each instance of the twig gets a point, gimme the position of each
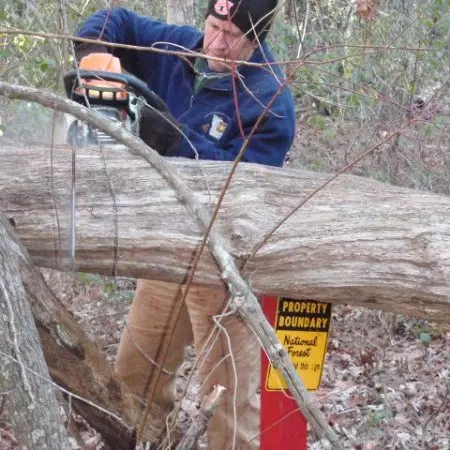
(32, 6)
(235, 373)
(441, 408)
(199, 424)
(326, 183)
(142, 352)
(305, 25)
(199, 360)
(9, 436)
(65, 391)
(190, 54)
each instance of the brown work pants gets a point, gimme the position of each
(142, 348)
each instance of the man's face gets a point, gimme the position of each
(223, 39)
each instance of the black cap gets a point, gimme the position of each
(250, 16)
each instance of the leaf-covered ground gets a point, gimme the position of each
(386, 382)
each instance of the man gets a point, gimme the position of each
(212, 106)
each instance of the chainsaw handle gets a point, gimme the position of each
(71, 82)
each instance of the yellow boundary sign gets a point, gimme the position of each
(302, 327)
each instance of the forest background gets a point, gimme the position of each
(367, 68)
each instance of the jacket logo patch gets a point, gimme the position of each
(223, 7)
(218, 127)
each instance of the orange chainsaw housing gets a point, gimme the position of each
(109, 90)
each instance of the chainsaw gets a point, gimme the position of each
(100, 84)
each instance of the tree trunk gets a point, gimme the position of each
(24, 377)
(290, 13)
(76, 364)
(360, 242)
(180, 12)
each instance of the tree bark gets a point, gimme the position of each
(24, 376)
(180, 12)
(358, 241)
(75, 363)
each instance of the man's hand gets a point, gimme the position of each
(159, 129)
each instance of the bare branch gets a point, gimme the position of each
(199, 424)
(375, 49)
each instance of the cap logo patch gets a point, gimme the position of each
(223, 7)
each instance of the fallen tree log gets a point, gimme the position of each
(358, 241)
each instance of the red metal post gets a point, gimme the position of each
(283, 426)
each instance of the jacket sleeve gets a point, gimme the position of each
(122, 26)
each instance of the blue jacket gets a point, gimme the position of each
(209, 116)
